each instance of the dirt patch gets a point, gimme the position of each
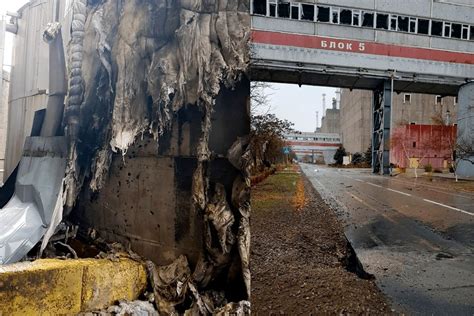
(300, 259)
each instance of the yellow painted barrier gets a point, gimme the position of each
(67, 287)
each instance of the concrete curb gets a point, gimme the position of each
(53, 287)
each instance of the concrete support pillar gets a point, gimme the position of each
(381, 121)
(146, 201)
(465, 139)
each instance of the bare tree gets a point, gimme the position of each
(260, 97)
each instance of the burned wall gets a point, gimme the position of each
(158, 120)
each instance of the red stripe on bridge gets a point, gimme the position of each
(359, 47)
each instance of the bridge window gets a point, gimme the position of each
(447, 29)
(403, 24)
(456, 30)
(465, 32)
(284, 10)
(346, 17)
(323, 14)
(413, 24)
(423, 26)
(307, 12)
(335, 12)
(367, 19)
(356, 17)
(382, 21)
(393, 22)
(260, 7)
(436, 28)
(272, 8)
(295, 11)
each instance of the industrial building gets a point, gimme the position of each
(331, 121)
(314, 147)
(407, 109)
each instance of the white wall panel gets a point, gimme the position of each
(30, 72)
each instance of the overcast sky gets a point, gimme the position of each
(298, 105)
(12, 6)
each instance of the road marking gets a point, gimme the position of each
(450, 207)
(357, 198)
(399, 192)
(359, 180)
(431, 187)
(375, 185)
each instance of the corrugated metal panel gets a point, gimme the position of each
(29, 77)
(3, 105)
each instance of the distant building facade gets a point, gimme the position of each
(356, 120)
(407, 109)
(314, 146)
(414, 146)
(331, 121)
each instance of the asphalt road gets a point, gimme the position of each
(417, 240)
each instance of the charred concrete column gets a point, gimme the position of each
(465, 139)
(160, 156)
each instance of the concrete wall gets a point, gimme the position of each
(164, 197)
(29, 74)
(356, 114)
(356, 120)
(465, 121)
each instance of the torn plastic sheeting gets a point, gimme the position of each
(188, 50)
(36, 207)
(170, 284)
(173, 283)
(134, 308)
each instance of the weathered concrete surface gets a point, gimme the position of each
(465, 139)
(157, 122)
(65, 287)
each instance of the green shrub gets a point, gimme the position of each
(428, 168)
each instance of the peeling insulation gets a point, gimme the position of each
(133, 65)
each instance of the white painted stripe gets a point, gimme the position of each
(375, 185)
(399, 192)
(359, 180)
(355, 197)
(450, 207)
